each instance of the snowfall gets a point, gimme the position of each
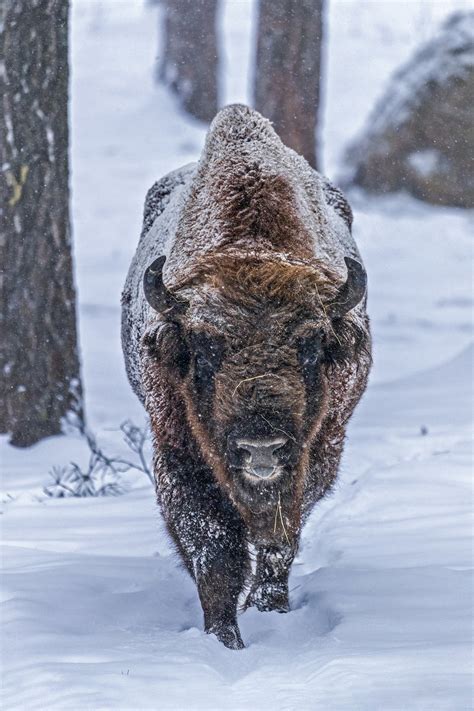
(97, 611)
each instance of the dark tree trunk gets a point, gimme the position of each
(190, 57)
(39, 364)
(288, 67)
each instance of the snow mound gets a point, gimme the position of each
(420, 136)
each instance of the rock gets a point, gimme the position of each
(420, 137)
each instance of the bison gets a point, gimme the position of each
(246, 338)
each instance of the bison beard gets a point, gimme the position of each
(250, 365)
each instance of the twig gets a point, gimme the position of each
(278, 429)
(254, 377)
(278, 511)
(101, 476)
(329, 320)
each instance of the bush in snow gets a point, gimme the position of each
(101, 477)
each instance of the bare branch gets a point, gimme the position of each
(101, 477)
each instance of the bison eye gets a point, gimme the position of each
(208, 353)
(167, 345)
(309, 352)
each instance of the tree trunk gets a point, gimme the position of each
(190, 58)
(39, 364)
(288, 66)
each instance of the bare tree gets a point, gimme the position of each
(288, 68)
(189, 64)
(39, 364)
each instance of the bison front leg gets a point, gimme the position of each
(269, 591)
(219, 578)
(211, 538)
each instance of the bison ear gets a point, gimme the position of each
(156, 293)
(351, 292)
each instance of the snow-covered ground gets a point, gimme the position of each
(97, 612)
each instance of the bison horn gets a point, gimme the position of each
(156, 293)
(352, 291)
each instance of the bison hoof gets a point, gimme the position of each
(229, 635)
(268, 598)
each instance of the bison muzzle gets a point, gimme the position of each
(246, 338)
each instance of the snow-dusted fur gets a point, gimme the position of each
(255, 242)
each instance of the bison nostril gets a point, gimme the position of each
(280, 444)
(246, 450)
(245, 456)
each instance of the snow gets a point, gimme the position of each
(97, 612)
(426, 161)
(446, 59)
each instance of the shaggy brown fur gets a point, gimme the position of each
(259, 338)
(246, 274)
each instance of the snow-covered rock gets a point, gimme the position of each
(420, 136)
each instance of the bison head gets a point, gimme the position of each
(249, 347)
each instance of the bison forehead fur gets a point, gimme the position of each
(249, 347)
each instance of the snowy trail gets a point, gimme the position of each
(96, 611)
(99, 614)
